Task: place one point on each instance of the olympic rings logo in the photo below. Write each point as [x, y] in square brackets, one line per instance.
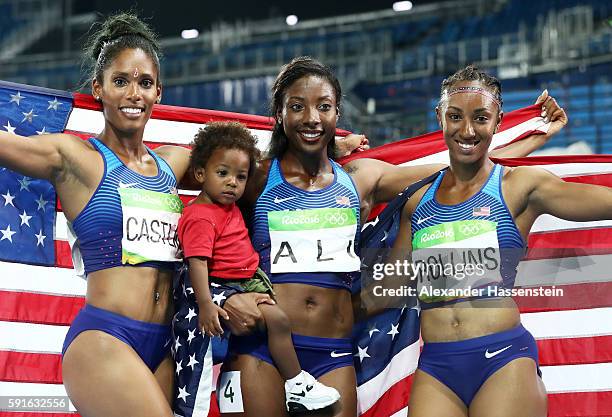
[174, 203]
[469, 229]
[337, 219]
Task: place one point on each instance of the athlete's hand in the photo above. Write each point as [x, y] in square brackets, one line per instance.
[244, 316]
[552, 112]
[208, 319]
[351, 143]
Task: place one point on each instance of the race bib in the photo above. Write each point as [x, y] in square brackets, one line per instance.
[149, 226]
[316, 240]
[457, 259]
[229, 394]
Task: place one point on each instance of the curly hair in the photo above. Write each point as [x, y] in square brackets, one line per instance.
[223, 135]
[473, 73]
[299, 67]
[115, 34]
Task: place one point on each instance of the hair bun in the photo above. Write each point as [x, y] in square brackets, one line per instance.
[111, 36]
[116, 26]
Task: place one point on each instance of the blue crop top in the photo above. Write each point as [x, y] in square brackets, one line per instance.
[308, 237]
[475, 230]
[99, 226]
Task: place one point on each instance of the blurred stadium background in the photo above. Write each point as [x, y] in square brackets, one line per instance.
[390, 62]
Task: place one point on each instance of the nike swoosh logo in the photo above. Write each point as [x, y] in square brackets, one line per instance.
[303, 393]
[489, 355]
[333, 354]
[419, 221]
[280, 200]
[122, 185]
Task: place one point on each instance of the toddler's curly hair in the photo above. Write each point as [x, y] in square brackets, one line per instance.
[223, 135]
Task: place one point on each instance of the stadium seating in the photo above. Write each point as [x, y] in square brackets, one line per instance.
[8, 21]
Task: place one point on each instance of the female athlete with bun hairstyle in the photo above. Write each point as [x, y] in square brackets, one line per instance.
[115, 356]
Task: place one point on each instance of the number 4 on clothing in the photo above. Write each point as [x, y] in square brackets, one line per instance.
[230, 397]
[229, 392]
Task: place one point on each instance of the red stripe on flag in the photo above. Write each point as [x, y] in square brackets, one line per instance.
[183, 114]
[154, 145]
[574, 351]
[393, 400]
[191, 115]
[81, 135]
[554, 160]
[577, 242]
[214, 408]
[39, 308]
[396, 152]
[516, 117]
[38, 368]
[430, 143]
[575, 297]
[63, 254]
[583, 404]
[599, 179]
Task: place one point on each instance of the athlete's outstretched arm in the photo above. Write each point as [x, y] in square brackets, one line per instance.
[385, 180]
[549, 194]
[381, 182]
[43, 156]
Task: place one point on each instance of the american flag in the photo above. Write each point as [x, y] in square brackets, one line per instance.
[481, 211]
[343, 200]
[39, 296]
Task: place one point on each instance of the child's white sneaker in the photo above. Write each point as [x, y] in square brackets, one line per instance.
[305, 393]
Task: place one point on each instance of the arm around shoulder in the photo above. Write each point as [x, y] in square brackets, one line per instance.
[384, 180]
[394, 179]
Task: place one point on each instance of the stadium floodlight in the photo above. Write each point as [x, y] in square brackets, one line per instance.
[189, 34]
[402, 6]
[291, 20]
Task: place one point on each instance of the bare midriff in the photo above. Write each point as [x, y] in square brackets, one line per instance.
[316, 311]
[468, 319]
[140, 293]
